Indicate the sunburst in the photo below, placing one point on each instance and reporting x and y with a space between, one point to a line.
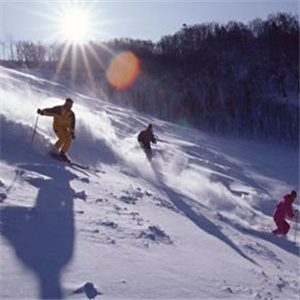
74 25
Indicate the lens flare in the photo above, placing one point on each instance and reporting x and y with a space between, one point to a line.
123 70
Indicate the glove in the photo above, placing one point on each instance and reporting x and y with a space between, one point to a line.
73 135
40 112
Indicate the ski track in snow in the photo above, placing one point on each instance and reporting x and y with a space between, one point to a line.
192 224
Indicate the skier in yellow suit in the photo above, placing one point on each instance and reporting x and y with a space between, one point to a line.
63 126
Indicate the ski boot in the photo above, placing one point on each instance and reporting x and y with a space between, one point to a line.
64 157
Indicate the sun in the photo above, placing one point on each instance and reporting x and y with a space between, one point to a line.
75 26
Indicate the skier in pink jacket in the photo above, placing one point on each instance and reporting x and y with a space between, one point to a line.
283 210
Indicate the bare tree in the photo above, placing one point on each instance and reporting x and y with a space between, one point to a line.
3 48
11 44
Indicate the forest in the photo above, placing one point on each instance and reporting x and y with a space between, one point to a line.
235 79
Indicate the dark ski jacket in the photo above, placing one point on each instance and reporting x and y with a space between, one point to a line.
145 138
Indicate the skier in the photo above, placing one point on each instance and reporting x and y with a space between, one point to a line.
145 138
283 210
63 126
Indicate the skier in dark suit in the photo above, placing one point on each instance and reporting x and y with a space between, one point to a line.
145 138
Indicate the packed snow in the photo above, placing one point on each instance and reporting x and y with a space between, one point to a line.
196 222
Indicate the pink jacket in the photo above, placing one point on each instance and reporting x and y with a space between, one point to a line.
284 208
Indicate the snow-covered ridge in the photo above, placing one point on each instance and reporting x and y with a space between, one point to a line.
197 219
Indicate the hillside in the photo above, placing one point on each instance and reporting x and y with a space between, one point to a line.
194 223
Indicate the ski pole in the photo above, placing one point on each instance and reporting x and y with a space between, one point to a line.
296 227
34 130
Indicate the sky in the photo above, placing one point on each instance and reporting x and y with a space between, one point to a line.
150 20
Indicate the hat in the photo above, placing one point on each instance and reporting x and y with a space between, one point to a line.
69 100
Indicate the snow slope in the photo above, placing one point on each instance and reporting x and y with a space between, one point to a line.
192 224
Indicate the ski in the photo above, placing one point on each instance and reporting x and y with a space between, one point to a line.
84 167
71 163
75 164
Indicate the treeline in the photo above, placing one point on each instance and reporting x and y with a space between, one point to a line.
226 78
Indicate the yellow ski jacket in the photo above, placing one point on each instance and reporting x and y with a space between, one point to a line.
62 118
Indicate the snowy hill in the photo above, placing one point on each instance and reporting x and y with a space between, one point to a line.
194 223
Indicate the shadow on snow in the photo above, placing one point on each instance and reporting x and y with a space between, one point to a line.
198 219
43 236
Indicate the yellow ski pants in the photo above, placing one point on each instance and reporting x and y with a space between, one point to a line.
64 139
